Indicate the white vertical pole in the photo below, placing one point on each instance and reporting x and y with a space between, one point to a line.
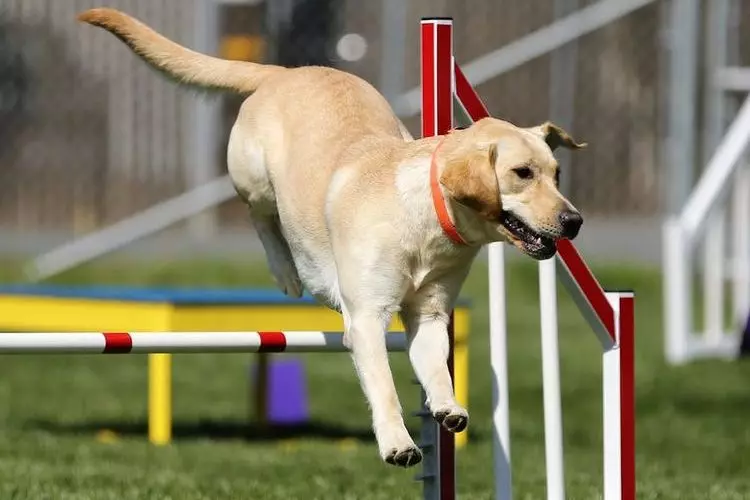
683 36
551 381
499 364
611 414
741 246
203 126
562 88
611 422
715 109
713 279
393 57
677 292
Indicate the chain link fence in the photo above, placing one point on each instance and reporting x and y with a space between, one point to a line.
90 135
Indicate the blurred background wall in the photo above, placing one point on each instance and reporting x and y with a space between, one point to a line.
89 135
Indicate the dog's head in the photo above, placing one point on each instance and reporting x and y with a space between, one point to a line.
509 177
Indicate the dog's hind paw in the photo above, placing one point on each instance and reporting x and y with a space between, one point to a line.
406 457
396 446
454 419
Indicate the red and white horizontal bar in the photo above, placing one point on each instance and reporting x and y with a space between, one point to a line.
176 342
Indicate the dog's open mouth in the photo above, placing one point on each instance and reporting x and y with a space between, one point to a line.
527 240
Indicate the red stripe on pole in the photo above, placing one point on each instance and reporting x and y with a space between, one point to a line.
444 75
627 396
468 97
117 343
272 342
428 79
586 281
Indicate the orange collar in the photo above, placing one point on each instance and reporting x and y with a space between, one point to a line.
444 218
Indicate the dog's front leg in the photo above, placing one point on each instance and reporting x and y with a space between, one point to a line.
428 353
426 318
366 335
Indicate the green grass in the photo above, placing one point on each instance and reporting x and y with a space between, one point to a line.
692 436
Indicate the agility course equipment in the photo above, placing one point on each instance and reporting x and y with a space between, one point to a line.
610 314
438 450
35 308
703 216
178 342
281 383
706 234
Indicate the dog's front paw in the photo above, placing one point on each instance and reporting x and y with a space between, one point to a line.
452 418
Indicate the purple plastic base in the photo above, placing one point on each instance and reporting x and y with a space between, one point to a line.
287 391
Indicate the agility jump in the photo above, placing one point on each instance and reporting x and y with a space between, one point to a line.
437 464
609 313
179 342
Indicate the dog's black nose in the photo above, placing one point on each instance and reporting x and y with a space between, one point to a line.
571 223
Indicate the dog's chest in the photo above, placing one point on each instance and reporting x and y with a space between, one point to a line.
432 257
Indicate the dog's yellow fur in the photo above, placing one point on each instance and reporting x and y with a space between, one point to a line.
339 194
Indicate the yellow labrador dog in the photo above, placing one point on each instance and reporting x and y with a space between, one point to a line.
370 221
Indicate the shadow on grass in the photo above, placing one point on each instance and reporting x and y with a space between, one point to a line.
222 429
211 429
215 429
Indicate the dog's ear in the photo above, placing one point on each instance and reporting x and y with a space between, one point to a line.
555 137
470 180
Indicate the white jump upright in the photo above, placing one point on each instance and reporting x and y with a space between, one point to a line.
609 314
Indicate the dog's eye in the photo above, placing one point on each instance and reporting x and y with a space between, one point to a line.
524 172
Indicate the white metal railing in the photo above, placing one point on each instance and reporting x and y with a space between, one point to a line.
683 231
145 223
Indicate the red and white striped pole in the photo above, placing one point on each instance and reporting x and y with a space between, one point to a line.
618 379
437 119
611 315
179 342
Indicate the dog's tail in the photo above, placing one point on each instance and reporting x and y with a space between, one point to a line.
183 65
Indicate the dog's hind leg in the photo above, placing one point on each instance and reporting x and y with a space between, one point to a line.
278 255
366 335
246 160
250 178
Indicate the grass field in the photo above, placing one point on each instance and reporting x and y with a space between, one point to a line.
74 427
